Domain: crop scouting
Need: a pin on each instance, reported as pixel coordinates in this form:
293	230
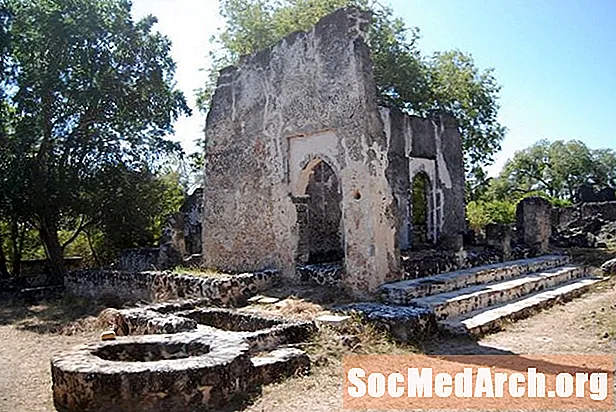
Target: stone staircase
480	300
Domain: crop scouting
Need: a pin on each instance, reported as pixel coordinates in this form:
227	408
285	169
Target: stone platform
177	356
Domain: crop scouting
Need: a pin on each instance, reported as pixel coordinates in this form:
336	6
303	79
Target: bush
480	213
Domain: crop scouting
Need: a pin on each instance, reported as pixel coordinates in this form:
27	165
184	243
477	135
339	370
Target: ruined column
533	225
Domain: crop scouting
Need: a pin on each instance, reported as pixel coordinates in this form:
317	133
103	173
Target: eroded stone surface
279	364
332	320
493	318
585	225
178	359
261	333
609	267
534	223
186	371
403	292
303	166
404	323
229	290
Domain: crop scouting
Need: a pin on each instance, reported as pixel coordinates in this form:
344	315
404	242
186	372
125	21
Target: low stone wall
174	356
584	225
232	290
323	274
261	333
424	263
403	323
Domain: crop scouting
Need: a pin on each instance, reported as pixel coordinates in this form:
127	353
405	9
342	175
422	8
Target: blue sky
555	59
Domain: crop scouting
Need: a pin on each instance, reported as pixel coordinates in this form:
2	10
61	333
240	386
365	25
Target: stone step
279	364
451	304
493	318
402	293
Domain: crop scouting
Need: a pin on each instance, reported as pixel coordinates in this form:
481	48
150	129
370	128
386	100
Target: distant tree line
555	170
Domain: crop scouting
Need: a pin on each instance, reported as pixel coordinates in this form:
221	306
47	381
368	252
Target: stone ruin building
180	243
304	166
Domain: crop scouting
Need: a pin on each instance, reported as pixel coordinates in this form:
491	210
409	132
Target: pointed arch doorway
320	215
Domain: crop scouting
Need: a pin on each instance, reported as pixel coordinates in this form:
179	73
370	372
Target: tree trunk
94	254
4	271
53	248
17	242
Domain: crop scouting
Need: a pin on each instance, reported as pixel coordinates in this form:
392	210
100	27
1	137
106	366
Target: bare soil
31	334
583	326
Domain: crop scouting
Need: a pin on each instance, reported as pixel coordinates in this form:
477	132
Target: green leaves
557	169
480	213
459	88
447	81
86	89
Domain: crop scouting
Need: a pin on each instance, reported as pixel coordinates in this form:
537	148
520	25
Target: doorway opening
320	228
422	216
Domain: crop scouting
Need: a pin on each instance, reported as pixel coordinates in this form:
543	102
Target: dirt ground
583	326
32	334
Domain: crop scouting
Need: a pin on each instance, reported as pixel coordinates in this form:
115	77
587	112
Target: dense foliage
87	92
557	168
554	170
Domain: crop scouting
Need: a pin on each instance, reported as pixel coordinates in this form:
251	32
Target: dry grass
296	308
322	390
201	272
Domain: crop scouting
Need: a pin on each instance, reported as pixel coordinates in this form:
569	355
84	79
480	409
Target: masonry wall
162	286
309	97
433	147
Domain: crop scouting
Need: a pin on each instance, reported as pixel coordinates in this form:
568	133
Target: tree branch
82	225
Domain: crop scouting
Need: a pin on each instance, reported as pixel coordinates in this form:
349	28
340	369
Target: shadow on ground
64	315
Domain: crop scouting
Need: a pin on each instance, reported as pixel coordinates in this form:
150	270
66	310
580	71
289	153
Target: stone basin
262	333
183	371
151	351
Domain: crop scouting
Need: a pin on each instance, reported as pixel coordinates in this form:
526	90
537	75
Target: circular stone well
184	371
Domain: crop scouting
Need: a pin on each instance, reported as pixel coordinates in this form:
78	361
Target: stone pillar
498	236
533	224
303	229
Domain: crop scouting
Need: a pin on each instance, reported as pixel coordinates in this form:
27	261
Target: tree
557	169
480	213
88	89
130	207
447	81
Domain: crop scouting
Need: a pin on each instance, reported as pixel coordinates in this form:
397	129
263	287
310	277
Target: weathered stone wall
498	236
183	230
432	147
309	98
585	225
159	286
139	259
534	223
